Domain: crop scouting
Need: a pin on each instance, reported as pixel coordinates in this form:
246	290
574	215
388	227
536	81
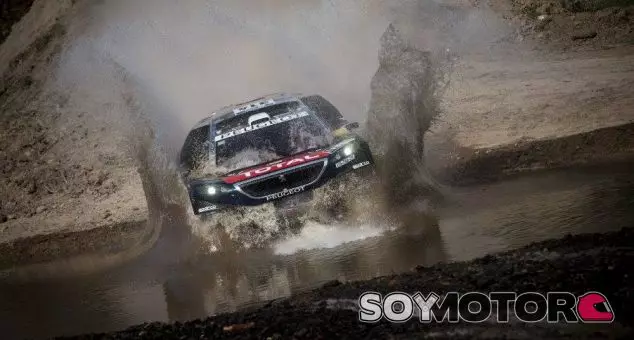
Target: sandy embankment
67	170
528	113
562	97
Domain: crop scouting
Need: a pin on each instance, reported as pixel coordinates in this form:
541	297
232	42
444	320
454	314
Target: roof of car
230	111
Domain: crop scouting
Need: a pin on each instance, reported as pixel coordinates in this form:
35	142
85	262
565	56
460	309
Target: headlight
348	150
340	145
211	190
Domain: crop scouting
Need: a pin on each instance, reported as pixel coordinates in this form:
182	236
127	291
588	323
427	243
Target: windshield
286	133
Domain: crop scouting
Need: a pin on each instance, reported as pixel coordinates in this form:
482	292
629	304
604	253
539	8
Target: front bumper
212	195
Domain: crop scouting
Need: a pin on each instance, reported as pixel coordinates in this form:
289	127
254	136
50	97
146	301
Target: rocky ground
574	263
574	24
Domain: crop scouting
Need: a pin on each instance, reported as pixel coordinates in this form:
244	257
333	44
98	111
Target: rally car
268	150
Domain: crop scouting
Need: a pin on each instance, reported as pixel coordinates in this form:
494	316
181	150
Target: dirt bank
66	171
539	98
600	147
571	24
10	12
49	247
574	263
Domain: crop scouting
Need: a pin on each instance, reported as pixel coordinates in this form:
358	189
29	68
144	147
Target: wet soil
601	147
11	11
46	248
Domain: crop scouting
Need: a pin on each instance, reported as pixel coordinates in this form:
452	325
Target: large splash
173	63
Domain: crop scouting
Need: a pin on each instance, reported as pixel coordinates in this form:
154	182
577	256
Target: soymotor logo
591	307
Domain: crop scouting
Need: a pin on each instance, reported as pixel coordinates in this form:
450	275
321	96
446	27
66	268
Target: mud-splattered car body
305	140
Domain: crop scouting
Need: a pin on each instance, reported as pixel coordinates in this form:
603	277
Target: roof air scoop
258	118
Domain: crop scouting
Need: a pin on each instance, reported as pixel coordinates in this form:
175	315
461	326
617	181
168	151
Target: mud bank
70	177
64	245
574	263
600	147
10	12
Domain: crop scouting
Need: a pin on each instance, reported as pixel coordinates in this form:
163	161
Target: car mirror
352	126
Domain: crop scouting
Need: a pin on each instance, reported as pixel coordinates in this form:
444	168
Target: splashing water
239	227
316	235
324	47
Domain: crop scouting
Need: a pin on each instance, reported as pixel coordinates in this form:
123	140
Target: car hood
270	167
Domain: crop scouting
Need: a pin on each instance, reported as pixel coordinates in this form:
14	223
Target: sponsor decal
360	165
278	165
344	161
253	106
277	120
453	307
284	193
208	208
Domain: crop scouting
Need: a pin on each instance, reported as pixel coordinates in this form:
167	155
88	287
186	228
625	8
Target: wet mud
603	147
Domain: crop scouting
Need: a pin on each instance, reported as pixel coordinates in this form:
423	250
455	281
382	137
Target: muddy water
473	221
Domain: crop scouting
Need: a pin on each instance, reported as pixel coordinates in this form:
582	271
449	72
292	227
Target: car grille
287	180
